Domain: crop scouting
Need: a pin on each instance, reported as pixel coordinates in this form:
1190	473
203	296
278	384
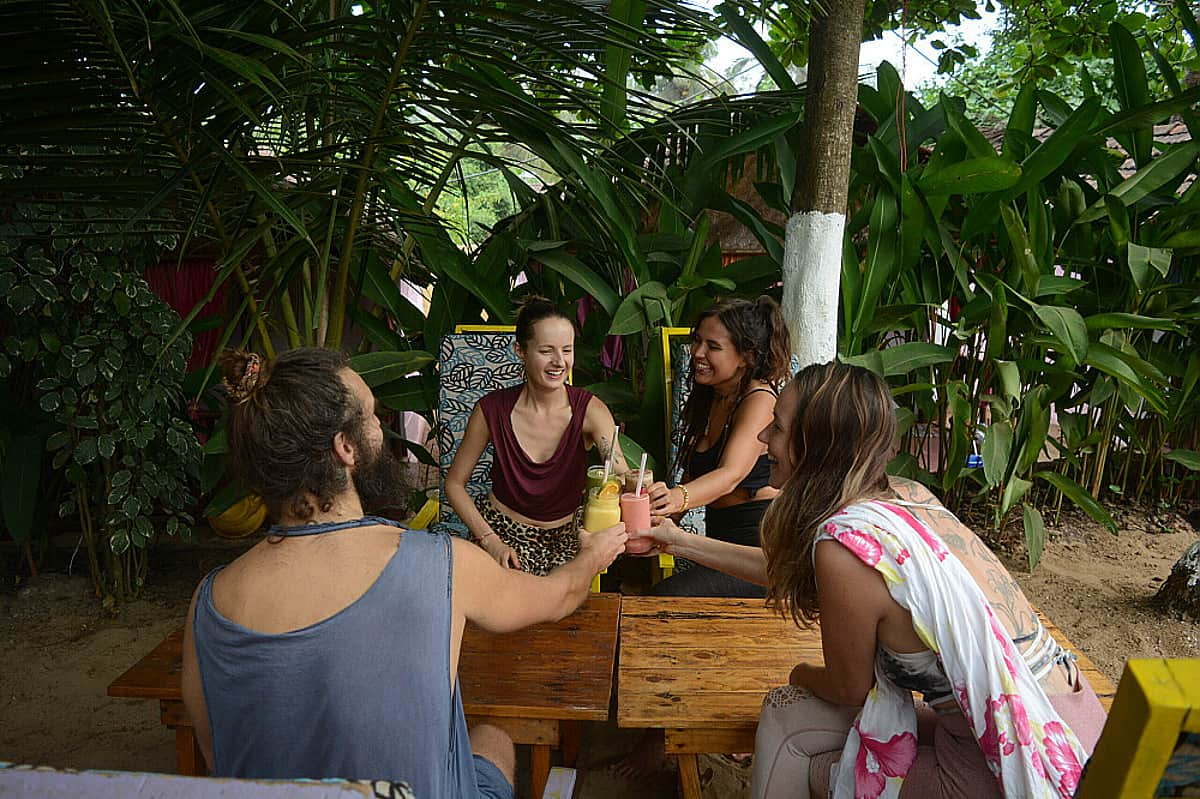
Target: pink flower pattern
1062	757
1009	741
864	547
932	541
877	760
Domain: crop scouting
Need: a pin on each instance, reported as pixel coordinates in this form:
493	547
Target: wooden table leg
689	776
539	767
571	733
189	760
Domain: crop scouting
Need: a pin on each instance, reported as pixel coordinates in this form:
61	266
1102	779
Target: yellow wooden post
1156	701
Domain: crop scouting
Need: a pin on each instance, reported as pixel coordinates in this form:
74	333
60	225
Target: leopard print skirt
540	549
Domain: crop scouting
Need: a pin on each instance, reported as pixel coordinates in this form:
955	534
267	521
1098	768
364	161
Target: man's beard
379	481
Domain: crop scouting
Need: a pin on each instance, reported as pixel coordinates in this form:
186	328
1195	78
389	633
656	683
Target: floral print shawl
1027	746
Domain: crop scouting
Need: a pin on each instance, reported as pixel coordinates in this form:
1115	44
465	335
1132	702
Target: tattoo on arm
1001	589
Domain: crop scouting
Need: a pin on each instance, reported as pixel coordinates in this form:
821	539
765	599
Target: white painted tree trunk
813	245
811	279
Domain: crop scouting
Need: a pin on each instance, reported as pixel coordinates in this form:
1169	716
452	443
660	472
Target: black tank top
702	462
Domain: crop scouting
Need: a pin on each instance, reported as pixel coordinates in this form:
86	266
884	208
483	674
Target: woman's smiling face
715	360
550	353
778	437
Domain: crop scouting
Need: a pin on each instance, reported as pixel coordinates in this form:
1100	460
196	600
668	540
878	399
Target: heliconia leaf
1121	321
1184	457
378	368
1022	249
1109	361
1058	146
1035	533
973	176
904	358
1154	175
997	447
1019	129
1082	499
1129	79
581	275
1068	329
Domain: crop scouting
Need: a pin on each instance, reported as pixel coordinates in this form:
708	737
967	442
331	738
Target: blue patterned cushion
469	366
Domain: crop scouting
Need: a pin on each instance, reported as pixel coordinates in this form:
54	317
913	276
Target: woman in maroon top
540	431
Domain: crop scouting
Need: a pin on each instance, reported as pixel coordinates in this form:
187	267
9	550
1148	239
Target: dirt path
58	652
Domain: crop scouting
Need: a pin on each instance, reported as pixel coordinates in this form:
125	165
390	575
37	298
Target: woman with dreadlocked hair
740	357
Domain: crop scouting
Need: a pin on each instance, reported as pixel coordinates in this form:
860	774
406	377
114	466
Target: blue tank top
363	694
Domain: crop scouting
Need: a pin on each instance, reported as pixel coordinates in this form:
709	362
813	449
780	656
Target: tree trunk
813	247
1180	594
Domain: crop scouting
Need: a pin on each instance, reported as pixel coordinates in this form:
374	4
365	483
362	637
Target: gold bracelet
483	538
683	488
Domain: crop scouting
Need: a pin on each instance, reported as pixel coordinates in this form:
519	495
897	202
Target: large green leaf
410	393
1125	321
1185	457
379	368
904	358
1014	490
1149	178
1035	533
881	255
1113	362
643	307
1129	79
1082	499
973	176
1022	249
1145	261
1019	130
1068	329
1058	146
997	449
581	275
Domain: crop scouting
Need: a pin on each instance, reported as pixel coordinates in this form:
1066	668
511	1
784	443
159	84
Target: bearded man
330	649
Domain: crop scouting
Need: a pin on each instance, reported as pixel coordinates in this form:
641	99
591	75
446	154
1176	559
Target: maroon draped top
542	491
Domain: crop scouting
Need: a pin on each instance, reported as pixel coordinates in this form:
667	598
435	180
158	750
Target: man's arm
193	689
502	600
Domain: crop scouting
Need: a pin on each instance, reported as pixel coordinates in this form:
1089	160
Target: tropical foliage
1036	299
1064	47
93	380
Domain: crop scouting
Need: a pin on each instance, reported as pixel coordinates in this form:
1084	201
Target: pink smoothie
635	512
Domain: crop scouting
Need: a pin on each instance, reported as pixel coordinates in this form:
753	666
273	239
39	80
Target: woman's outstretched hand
659	539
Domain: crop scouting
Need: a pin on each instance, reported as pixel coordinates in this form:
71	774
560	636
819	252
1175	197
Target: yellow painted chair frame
1156	706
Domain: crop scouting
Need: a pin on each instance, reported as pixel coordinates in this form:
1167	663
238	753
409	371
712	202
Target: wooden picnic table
698	668
538	683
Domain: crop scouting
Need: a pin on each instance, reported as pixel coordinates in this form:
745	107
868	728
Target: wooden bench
538	684
698	668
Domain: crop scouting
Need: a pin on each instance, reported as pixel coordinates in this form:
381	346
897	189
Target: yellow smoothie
603	509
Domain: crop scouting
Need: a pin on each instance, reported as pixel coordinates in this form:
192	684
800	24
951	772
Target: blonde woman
909	599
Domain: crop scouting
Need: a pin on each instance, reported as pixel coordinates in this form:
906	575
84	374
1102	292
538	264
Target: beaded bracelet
683	488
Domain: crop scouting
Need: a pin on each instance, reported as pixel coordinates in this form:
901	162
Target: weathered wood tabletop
698	668
535	683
